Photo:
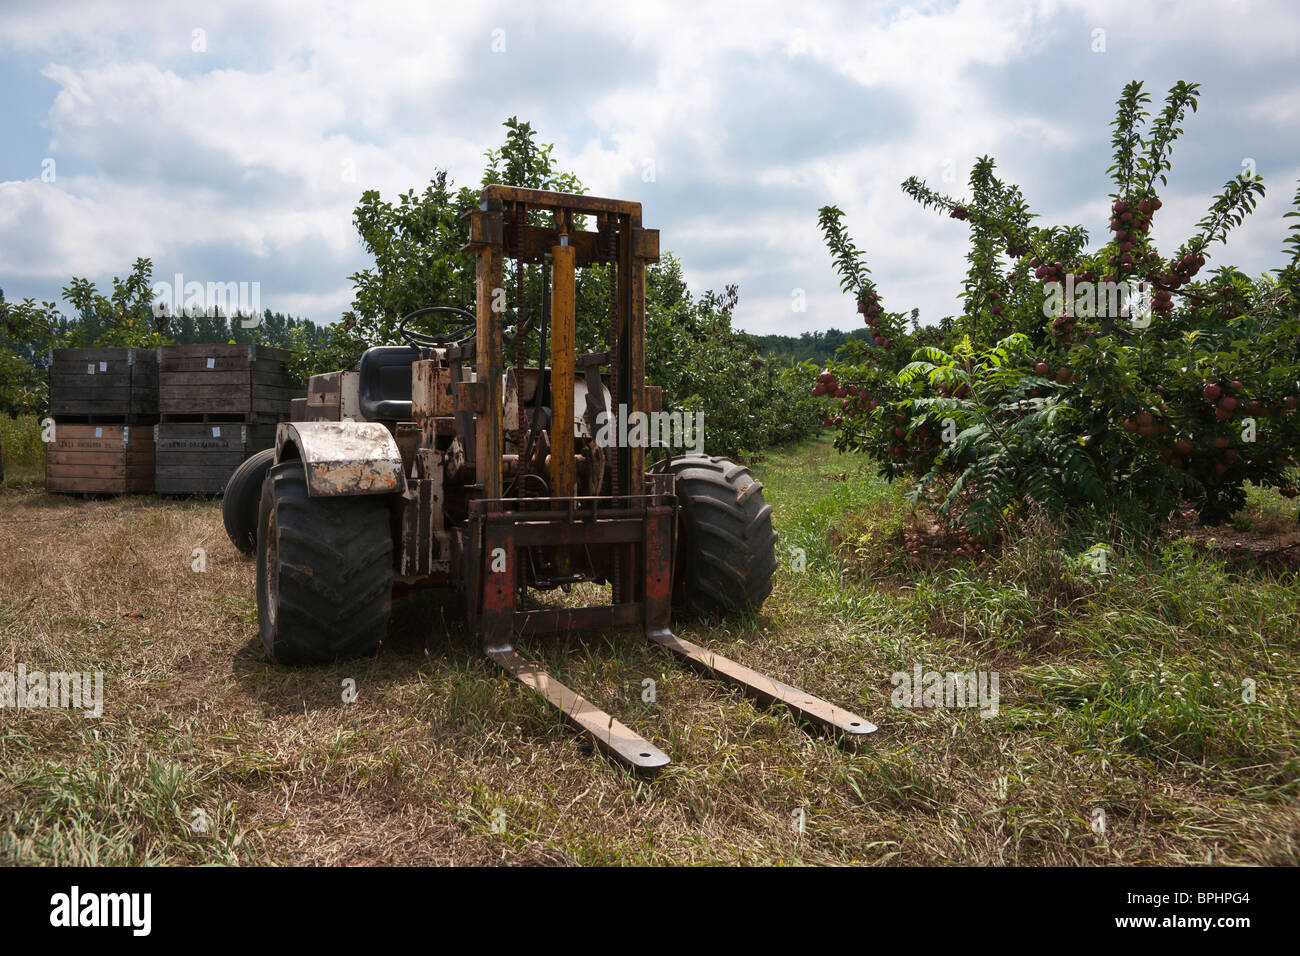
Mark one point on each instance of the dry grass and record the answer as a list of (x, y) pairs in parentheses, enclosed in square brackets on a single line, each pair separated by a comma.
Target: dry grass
[(439, 748)]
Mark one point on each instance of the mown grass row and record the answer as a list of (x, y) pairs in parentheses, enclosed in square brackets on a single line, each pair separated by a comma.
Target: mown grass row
[(1124, 733), (1172, 664)]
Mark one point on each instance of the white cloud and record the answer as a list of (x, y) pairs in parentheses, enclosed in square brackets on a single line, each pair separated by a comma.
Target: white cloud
[(251, 155)]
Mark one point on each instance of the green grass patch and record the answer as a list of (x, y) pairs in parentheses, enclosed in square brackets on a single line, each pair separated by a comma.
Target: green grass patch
[(23, 449), (1159, 697)]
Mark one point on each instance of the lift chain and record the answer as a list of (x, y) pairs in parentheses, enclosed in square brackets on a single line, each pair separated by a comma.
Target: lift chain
[(611, 251), (520, 218), (610, 243)]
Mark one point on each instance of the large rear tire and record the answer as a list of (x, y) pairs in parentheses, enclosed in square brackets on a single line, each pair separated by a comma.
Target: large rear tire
[(243, 495), (324, 571), (726, 552)]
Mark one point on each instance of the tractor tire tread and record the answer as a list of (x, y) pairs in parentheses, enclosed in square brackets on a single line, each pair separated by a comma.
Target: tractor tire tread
[(727, 554), (335, 583)]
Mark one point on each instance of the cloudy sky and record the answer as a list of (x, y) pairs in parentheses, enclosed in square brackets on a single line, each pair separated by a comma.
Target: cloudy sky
[(230, 142)]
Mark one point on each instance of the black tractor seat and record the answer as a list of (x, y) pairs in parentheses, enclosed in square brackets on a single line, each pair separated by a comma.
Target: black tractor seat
[(385, 382)]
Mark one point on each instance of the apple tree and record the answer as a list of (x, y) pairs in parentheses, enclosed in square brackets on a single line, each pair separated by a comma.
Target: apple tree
[(1086, 379)]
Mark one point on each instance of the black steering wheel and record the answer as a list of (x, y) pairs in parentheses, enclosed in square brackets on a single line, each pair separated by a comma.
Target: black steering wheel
[(417, 341)]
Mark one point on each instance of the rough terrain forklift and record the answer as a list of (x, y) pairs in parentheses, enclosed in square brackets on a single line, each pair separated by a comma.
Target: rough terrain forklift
[(437, 462)]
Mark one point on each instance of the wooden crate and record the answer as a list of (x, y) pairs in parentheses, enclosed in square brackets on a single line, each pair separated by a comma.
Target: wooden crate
[(100, 459), (214, 383), (198, 459), (104, 386)]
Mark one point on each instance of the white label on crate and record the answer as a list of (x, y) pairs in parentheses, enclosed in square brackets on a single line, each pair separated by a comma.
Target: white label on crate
[(212, 363), (216, 431), (90, 369), (103, 366), (99, 433)]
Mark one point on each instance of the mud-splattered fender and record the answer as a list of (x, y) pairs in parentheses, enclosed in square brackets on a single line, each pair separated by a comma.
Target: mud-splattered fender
[(343, 458)]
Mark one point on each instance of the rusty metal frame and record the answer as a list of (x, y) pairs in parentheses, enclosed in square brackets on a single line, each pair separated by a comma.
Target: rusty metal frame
[(491, 234), (571, 202), (500, 530), (638, 522)]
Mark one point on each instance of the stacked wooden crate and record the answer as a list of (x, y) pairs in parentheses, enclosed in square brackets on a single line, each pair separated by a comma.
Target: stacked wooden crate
[(117, 386), (104, 403), (198, 458), (100, 460), (218, 404)]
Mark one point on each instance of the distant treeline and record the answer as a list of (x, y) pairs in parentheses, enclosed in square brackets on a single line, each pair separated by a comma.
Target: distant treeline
[(271, 328), (287, 331), (817, 347)]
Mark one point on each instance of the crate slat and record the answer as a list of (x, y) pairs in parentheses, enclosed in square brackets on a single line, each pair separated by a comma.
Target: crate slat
[(107, 384), (198, 459), (250, 382), (100, 459)]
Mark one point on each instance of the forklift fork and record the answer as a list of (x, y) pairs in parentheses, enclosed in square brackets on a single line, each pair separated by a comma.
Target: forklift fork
[(804, 706), (621, 742)]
